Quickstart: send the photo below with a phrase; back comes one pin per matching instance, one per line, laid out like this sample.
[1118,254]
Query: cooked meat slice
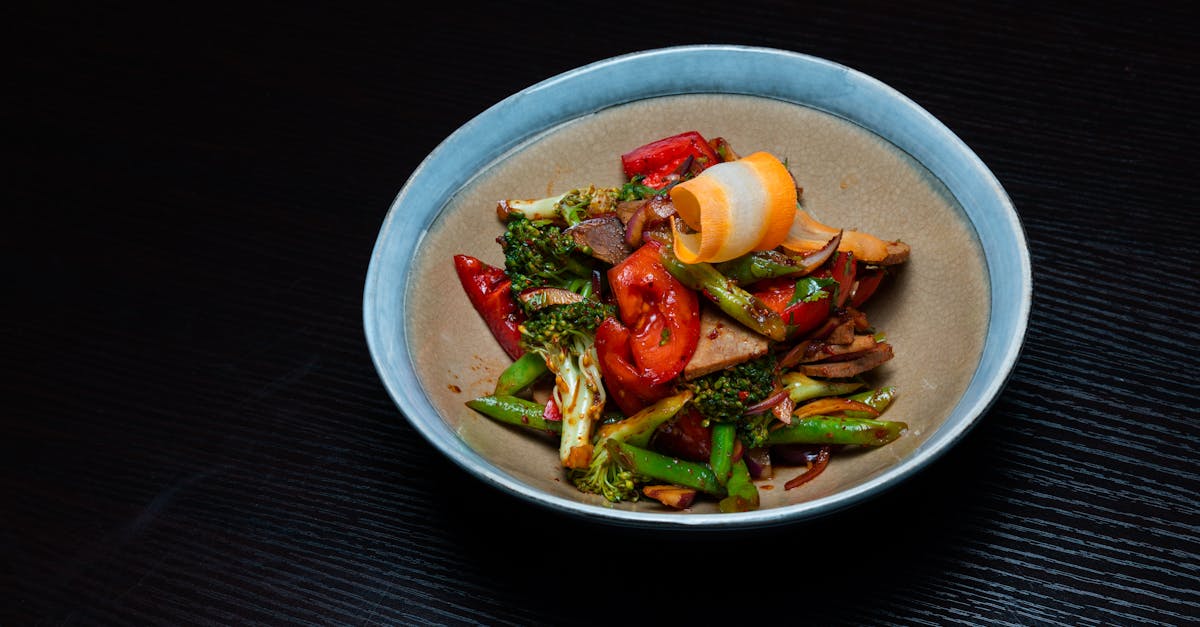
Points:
[842,334]
[724,342]
[840,369]
[897,253]
[603,237]
[820,350]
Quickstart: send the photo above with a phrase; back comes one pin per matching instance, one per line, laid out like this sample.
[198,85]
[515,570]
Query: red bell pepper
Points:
[490,293]
[868,280]
[803,316]
[662,314]
[843,268]
[659,159]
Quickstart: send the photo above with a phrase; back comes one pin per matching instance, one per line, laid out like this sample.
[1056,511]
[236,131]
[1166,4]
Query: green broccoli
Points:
[539,254]
[564,335]
[723,396]
[571,207]
[604,475]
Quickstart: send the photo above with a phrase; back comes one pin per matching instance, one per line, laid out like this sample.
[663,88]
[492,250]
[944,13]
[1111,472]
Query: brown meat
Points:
[840,369]
[897,253]
[602,237]
[821,350]
[724,342]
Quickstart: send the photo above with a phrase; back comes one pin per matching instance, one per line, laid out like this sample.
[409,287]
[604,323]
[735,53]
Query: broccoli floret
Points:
[572,207]
[724,396]
[539,254]
[564,335]
[604,475]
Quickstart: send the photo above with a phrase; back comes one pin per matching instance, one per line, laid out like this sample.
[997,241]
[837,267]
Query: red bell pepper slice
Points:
[662,314]
[659,159]
[490,293]
[800,316]
[868,280]
[626,386]
[843,268]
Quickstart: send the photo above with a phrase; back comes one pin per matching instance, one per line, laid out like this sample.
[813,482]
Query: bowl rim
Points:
[774,73]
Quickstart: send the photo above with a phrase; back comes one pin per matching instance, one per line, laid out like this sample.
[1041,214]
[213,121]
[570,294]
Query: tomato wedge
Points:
[626,386]
[661,313]
[490,293]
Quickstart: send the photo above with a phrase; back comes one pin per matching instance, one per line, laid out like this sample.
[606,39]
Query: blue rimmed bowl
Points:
[867,157]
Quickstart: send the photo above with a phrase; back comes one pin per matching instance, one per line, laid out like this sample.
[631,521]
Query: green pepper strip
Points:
[724,434]
[514,411]
[833,430]
[664,468]
[743,495]
[521,374]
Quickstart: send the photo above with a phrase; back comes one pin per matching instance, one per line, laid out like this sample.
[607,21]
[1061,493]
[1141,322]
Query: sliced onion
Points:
[812,261]
[794,355]
[817,467]
[758,462]
[783,409]
[637,222]
[767,403]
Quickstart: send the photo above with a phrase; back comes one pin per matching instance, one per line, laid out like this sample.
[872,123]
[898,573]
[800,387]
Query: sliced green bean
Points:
[834,430]
[521,374]
[743,494]
[514,410]
[659,467]
[724,435]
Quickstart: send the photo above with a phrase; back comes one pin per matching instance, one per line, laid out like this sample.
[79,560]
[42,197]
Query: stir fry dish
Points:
[689,334]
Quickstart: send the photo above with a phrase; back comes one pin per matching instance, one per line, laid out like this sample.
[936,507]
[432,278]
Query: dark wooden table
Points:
[193,432]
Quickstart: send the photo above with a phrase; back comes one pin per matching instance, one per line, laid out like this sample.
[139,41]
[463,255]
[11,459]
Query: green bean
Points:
[743,494]
[521,374]
[731,299]
[514,410]
[724,435]
[833,430]
[657,466]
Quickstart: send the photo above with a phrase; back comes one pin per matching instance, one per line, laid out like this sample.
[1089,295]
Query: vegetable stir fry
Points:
[688,334]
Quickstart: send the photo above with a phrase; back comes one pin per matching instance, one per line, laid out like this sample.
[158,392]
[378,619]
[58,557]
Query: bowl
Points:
[867,158]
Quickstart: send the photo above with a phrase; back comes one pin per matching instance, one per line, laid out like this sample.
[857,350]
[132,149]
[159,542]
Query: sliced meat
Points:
[821,350]
[841,369]
[842,334]
[724,342]
[602,237]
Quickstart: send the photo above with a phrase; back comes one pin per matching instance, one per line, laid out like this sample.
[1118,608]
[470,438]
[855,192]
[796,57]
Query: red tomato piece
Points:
[624,381]
[658,159]
[662,314]
[490,293]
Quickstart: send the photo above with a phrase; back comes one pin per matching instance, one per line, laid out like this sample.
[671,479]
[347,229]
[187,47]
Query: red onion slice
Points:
[767,403]
[637,222]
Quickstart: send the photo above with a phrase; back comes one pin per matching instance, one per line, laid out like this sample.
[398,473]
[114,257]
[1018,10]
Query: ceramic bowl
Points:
[867,158]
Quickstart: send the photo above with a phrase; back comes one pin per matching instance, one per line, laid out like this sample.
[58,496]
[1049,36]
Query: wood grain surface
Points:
[194,432]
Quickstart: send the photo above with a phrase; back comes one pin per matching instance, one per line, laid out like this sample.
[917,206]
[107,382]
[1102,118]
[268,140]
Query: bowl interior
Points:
[935,311]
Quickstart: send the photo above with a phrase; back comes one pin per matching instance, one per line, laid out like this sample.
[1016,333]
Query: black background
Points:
[193,430]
